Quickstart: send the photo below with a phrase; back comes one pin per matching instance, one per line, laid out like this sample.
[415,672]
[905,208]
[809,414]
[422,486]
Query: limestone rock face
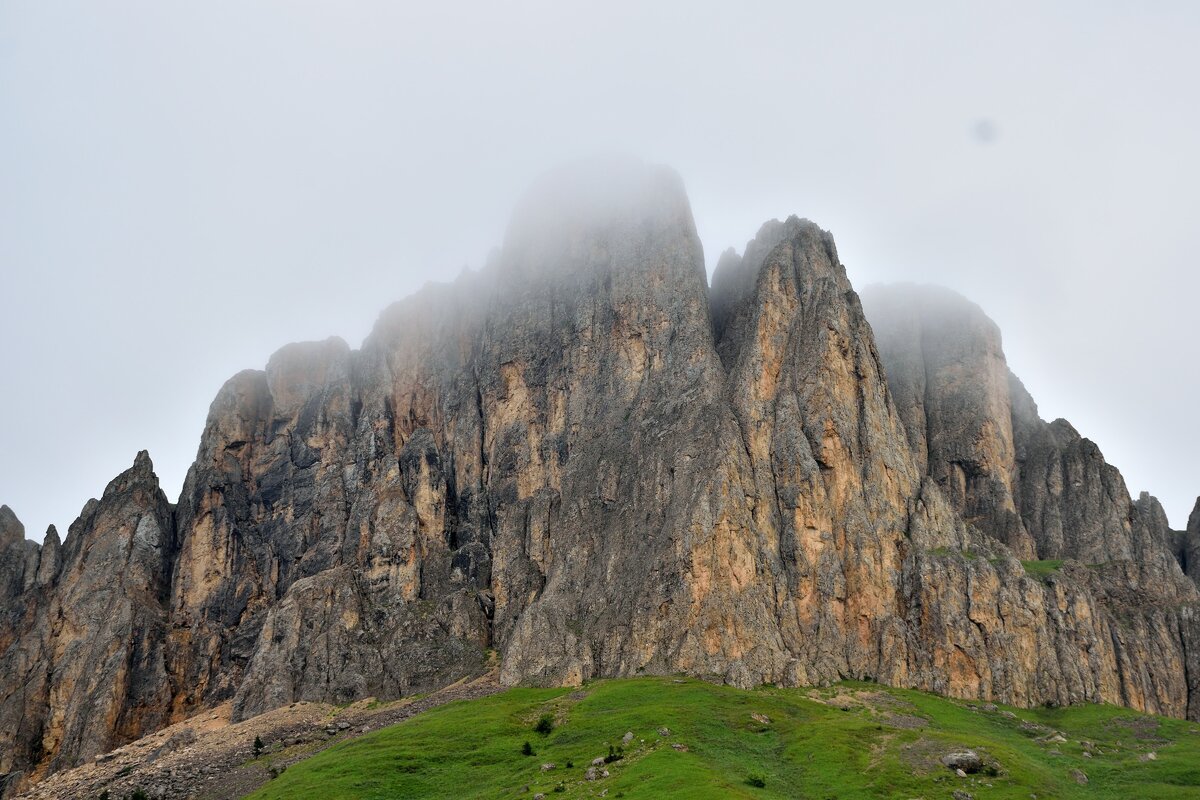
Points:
[581,462]
[108,637]
[1076,501]
[829,482]
[1191,550]
[83,658]
[1185,545]
[12,553]
[1040,488]
[250,519]
[1124,573]
[19,560]
[948,377]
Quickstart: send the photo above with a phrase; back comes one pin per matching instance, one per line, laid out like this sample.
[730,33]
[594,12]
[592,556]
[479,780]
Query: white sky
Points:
[185,187]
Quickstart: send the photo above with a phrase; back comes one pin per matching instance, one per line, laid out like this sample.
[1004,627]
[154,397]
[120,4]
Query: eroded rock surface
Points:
[83,668]
[949,380]
[583,460]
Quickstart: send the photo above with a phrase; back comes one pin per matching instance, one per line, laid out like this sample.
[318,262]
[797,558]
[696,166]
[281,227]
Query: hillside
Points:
[847,741]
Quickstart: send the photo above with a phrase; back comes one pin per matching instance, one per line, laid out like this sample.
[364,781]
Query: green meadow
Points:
[851,740]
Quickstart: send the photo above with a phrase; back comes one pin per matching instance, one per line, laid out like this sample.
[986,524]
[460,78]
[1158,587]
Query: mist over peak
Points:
[606,195]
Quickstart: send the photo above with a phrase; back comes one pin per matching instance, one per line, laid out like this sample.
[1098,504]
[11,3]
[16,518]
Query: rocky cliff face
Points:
[1188,545]
[1039,487]
[1131,609]
[948,377]
[584,461]
[83,661]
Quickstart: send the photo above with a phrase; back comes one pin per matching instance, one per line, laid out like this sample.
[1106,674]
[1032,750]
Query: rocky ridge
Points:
[585,460]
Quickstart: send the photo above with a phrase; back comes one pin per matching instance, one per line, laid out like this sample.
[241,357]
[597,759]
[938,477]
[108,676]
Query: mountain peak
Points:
[11,529]
[596,202]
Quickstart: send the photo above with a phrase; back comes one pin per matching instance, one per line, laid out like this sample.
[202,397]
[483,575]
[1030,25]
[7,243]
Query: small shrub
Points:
[562,787]
[757,781]
[570,764]
[527,749]
[103,795]
[614,754]
[544,725]
[258,746]
[138,794]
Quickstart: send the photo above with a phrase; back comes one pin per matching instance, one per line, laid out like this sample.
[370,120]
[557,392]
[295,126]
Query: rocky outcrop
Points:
[580,462]
[947,375]
[1133,611]
[1192,547]
[1186,545]
[1038,487]
[20,559]
[21,657]
[83,664]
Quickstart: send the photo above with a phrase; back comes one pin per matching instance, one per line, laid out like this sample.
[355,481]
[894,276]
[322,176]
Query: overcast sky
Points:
[184,187]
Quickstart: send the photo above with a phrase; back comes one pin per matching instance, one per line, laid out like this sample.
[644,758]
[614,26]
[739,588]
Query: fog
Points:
[186,187]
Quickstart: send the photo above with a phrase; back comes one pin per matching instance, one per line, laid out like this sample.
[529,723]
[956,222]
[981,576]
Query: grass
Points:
[1042,569]
[852,740]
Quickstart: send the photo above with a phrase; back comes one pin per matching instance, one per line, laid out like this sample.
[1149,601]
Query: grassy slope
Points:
[849,741]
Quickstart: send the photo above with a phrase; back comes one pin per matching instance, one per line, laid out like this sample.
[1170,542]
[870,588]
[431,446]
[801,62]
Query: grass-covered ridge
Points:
[852,740]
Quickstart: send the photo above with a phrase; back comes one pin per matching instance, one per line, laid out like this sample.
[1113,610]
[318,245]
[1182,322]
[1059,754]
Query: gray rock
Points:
[948,377]
[965,760]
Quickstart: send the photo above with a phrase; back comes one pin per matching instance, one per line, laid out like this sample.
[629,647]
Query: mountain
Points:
[584,460]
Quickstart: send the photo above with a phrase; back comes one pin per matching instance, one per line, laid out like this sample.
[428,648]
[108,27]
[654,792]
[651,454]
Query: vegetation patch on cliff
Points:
[683,738]
[1042,569]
